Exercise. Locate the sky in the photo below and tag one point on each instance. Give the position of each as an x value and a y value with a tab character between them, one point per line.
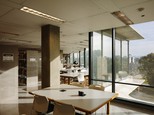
144	46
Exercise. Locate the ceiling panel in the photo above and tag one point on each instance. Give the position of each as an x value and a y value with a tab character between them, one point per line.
17	1
15	28
98	22
4	9
106	5
136	16
10	4
82	16
68	9
128	3
25	19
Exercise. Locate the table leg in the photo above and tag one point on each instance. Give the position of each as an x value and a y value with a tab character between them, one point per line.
64	80
88	113
108	108
68	80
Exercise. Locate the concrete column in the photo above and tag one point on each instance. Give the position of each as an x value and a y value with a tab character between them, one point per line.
50	56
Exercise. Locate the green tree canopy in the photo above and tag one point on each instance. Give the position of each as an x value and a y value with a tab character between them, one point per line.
146	68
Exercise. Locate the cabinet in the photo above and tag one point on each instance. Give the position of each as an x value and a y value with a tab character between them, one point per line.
28	71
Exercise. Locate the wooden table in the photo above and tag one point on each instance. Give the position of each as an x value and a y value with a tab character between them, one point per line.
68	76
91	102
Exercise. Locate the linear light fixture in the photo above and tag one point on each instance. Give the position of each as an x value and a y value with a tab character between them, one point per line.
41	14
3	32
121	16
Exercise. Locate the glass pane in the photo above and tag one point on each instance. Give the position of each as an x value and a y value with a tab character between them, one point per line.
96	55
87	58
76	57
71	58
107	85
134	61
118	62
125	56
141	65
135	93
81	58
107	56
102	58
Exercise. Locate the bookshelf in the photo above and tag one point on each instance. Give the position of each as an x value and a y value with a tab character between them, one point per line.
22	71
28	71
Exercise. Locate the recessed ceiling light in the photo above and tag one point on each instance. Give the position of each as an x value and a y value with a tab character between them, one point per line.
142	15
121	16
140	9
41	14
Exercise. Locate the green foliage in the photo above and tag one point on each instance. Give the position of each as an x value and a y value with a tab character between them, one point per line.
146	68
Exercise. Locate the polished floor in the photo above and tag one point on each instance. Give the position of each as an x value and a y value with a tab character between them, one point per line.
23	103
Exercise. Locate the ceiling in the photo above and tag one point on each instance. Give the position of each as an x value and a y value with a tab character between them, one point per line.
81	16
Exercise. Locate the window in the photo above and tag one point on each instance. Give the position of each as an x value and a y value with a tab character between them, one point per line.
134	61
76	57
81	58
87	58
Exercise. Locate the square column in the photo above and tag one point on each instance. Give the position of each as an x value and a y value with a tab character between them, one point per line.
50	41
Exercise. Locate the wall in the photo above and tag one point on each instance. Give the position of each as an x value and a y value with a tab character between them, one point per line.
32	68
8	75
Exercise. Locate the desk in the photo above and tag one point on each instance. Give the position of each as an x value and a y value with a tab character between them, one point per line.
68	76
91	102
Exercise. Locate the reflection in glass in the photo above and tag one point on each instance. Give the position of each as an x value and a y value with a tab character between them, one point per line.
81	58
107	55
87	58
76	57
134	61
96	55
71	58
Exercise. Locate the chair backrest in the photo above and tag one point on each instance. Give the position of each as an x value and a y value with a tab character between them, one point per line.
97	87
77	84
81	77
40	104
63	109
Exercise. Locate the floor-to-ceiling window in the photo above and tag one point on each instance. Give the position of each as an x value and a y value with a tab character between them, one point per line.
96	55
87	58
71	58
142	63
76	57
102	57
107	58
125	56
82	58
133	61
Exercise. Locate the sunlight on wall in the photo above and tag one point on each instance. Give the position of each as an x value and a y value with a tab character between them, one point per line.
55	66
9	86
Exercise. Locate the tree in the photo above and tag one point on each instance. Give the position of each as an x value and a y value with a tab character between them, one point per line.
146	68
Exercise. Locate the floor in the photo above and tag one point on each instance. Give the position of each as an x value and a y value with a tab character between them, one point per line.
23	104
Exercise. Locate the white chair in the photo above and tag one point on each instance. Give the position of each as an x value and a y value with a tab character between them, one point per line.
80	80
80	77
41	105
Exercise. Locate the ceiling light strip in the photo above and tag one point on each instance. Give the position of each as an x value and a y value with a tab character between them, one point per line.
41	14
121	16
